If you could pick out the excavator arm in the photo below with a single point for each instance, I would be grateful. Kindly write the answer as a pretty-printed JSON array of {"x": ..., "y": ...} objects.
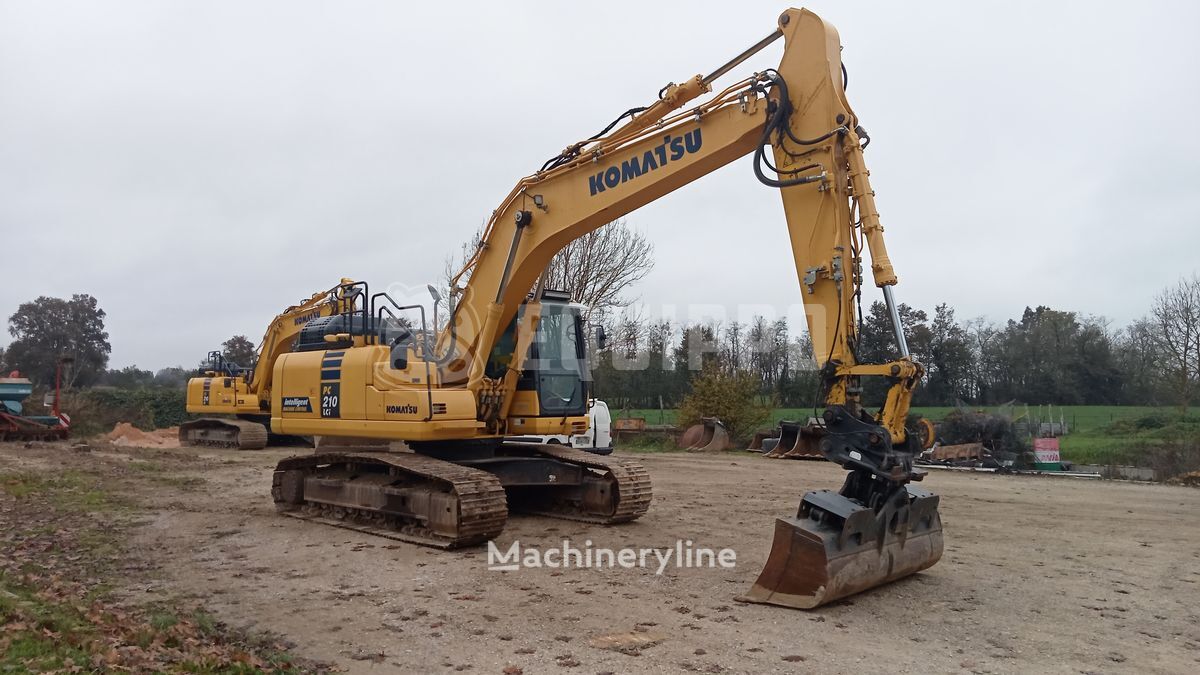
[
  {"x": 878, "y": 527},
  {"x": 799, "y": 111},
  {"x": 284, "y": 328}
]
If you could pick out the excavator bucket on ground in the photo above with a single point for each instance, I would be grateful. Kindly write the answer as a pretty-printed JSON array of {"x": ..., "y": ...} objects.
[
  {"x": 798, "y": 441},
  {"x": 756, "y": 443},
  {"x": 836, "y": 547},
  {"x": 965, "y": 452},
  {"x": 708, "y": 436}
]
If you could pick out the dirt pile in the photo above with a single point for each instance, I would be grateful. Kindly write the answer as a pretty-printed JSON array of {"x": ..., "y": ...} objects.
[
  {"x": 1191, "y": 478},
  {"x": 128, "y": 436}
]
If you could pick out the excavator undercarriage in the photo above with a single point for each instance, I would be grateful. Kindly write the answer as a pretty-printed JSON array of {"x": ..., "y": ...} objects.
[
  {"x": 421, "y": 499},
  {"x": 216, "y": 432}
]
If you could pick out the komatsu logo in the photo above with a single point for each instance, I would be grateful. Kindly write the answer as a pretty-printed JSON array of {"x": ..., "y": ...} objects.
[
  {"x": 672, "y": 149},
  {"x": 406, "y": 409},
  {"x": 305, "y": 318}
]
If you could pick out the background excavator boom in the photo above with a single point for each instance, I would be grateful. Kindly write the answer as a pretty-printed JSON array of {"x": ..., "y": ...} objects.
[{"x": 243, "y": 398}]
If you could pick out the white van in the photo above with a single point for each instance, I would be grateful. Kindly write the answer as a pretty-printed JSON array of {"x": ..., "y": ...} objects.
[{"x": 598, "y": 438}]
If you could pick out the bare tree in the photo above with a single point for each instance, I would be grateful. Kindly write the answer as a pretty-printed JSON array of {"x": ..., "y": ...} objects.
[
  {"x": 1138, "y": 358},
  {"x": 1175, "y": 321},
  {"x": 732, "y": 350},
  {"x": 630, "y": 336},
  {"x": 987, "y": 357},
  {"x": 599, "y": 267}
]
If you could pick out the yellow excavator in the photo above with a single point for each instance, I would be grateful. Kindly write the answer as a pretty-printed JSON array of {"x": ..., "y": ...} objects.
[
  {"x": 511, "y": 361},
  {"x": 242, "y": 395}
]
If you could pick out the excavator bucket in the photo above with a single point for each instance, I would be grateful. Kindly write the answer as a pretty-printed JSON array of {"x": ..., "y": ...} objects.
[
  {"x": 836, "y": 547},
  {"x": 756, "y": 443},
  {"x": 798, "y": 441},
  {"x": 708, "y": 436}
]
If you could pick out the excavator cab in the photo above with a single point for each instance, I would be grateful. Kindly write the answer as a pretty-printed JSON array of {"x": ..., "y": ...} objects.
[{"x": 555, "y": 379}]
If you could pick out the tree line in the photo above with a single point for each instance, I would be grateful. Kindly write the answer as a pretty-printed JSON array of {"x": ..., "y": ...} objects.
[
  {"x": 1046, "y": 355},
  {"x": 46, "y": 329}
]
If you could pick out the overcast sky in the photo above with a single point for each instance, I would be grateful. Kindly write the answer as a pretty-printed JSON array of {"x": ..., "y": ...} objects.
[{"x": 198, "y": 166}]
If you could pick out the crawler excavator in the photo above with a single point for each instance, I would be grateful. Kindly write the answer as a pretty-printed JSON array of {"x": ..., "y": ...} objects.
[
  {"x": 511, "y": 361},
  {"x": 243, "y": 395}
]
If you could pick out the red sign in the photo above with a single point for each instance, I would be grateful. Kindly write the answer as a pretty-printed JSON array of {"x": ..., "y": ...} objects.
[{"x": 1046, "y": 450}]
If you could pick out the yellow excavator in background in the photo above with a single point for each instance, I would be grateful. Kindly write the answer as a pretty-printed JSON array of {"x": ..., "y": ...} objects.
[
  {"x": 513, "y": 362},
  {"x": 243, "y": 394}
]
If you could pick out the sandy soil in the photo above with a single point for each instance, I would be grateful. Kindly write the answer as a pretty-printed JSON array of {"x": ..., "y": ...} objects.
[{"x": 1039, "y": 575}]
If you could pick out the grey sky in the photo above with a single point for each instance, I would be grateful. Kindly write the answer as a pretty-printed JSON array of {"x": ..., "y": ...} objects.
[{"x": 198, "y": 166}]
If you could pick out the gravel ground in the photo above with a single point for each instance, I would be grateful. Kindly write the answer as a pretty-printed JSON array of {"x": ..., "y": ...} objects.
[{"x": 1039, "y": 575}]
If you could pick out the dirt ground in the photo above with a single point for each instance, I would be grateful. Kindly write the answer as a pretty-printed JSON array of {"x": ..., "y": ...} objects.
[{"x": 1039, "y": 575}]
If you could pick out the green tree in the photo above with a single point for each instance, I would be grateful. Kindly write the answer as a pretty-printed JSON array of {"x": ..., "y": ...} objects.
[
  {"x": 129, "y": 377},
  {"x": 652, "y": 380},
  {"x": 240, "y": 350},
  {"x": 46, "y": 329},
  {"x": 877, "y": 344},
  {"x": 731, "y": 397},
  {"x": 175, "y": 377},
  {"x": 949, "y": 366},
  {"x": 1093, "y": 363},
  {"x": 697, "y": 350}
]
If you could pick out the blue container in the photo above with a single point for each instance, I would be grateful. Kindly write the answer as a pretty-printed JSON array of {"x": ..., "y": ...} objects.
[{"x": 13, "y": 392}]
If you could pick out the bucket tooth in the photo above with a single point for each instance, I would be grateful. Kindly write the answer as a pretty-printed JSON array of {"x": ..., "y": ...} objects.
[{"x": 835, "y": 547}]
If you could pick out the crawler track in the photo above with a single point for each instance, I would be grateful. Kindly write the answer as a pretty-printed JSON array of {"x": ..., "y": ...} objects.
[
  {"x": 223, "y": 433},
  {"x": 477, "y": 497},
  {"x": 630, "y": 486}
]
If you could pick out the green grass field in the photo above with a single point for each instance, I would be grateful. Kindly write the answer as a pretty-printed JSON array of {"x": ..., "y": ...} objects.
[{"x": 1090, "y": 441}]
